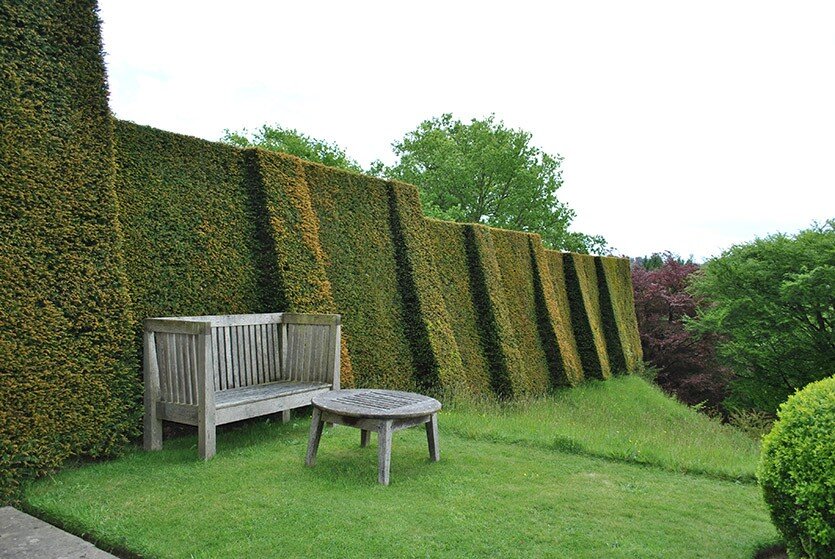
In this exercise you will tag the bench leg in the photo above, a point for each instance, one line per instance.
(384, 452)
(365, 437)
(315, 435)
(432, 438)
(152, 428)
(206, 445)
(285, 416)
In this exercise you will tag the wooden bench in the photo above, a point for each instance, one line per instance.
(210, 370)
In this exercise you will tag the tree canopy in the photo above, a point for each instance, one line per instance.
(290, 140)
(772, 304)
(485, 172)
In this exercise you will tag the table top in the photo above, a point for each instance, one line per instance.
(376, 403)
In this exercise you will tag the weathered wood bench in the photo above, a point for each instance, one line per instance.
(210, 370)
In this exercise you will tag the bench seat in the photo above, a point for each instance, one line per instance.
(252, 394)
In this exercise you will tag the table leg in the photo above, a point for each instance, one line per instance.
(365, 437)
(432, 438)
(384, 452)
(315, 435)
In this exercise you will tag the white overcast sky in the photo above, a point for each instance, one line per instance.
(685, 126)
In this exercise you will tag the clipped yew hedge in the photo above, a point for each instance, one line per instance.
(608, 321)
(455, 278)
(554, 319)
(68, 380)
(518, 282)
(289, 231)
(189, 223)
(434, 350)
(621, 297)
(361, 265)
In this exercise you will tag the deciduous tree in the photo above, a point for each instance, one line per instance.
(290, 140)
(772, 302)
(487, 173)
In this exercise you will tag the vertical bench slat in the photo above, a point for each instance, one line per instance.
(227, 357)
(247, 336)
(256, 352)
(312, 371)
(178, 369)
(265, 352)
(268, 356)
(215, 365)
(252, 345)
(192, 369)
(236, 360)
(282, 357)
(185, 341)
(322, 352)
(263, 368)
(244, 346)
(309, 331)
(174, 371)
(195, 370)
(289, 355)
(223, 355)
(159, 344)
(182, 368)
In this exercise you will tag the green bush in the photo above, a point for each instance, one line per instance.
(797, 471)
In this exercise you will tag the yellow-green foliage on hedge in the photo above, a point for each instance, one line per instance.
(449, 251)
(289, 231)
(619, 281)
(68, 381)
(518, 279)
(360, 262)
(587, 275)
(554, 319)
(608, 322)
(434, 349)
(579, 305)
(190, 226)
(507, 372)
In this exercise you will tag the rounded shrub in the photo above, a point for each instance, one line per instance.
(797, 471)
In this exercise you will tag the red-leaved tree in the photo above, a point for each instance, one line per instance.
(687, 365)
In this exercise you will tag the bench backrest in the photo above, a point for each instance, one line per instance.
(245, 350)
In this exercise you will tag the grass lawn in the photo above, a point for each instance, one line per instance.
(489, 496)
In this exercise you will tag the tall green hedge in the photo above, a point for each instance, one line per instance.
(554, 319)
(289, 231)
(189, 222)
(587, 275)
(498, 338)
(434, 349)
(518, 283)
(578, 309)
(619, 281)
(68, 380)
(449, 252)
(361, 264)
(608, 321)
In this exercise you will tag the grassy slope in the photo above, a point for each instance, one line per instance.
(484, 499)
(622, 418)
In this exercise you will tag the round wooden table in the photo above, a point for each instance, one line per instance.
(383, 411)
